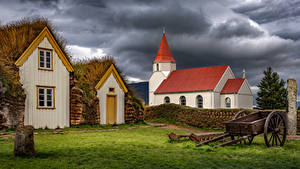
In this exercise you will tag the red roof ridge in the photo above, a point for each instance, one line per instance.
(202, 67)
(164, 52)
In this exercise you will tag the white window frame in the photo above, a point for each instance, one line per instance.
(47, 65)
(45, 95)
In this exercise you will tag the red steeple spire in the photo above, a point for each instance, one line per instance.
(164, 52)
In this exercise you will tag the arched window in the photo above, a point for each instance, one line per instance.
(228, 102)
(199, 101)
(167, 100)
(182, 100)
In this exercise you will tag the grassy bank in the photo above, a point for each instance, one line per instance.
(143, 148)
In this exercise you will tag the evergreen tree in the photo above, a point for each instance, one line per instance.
(271, 94)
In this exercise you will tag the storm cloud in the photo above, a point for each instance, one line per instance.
(243, 34)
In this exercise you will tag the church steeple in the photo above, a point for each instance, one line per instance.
(164, 53)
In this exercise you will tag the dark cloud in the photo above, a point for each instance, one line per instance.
(198, 36)
(270, 10)
(236, 28)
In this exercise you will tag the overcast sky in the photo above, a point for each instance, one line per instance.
(250, 34)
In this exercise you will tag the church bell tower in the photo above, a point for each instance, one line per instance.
(163, 65)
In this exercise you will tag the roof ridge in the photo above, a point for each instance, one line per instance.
(202, 67)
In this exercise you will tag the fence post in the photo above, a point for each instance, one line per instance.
(291, 107)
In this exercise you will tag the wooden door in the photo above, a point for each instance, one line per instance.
(111, 109)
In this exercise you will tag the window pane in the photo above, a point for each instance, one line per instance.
(41, 53)
(49, 91)
(42, 59)
(41, 103)
(49, 103)
(41, 91)
(48, 60)
(41, 97)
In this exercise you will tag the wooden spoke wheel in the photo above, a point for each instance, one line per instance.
(275, 129)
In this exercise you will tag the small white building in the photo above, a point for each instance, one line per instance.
(204, 87)
(111, 91)
(45, 73)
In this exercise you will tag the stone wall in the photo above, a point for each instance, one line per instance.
(210, 118)
(76, 106)
(11, 110)
(133, 112)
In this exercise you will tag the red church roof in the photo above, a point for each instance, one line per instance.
(196, 79)
(164, 52)
(233, 85)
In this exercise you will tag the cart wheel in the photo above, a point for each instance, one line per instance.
(240, 114)
(275, 129)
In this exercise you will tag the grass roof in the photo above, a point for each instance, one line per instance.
(15, 38)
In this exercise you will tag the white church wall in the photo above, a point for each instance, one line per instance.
(154, 81)
(164, 66)
(245, 96)
(233, 98)
(102, 93)
(245, 101)
(228, 74)
(216, 98)
(31, 76)
(190, 98)
(245, 88)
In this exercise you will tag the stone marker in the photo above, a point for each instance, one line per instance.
(291, 107)
(24, 142)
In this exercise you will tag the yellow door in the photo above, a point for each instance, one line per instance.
(111, 109)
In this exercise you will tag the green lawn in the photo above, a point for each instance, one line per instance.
(143, 148)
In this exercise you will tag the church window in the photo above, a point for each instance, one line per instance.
(228, 102)
(182, 101)
(199, 101)
(157, 66)
(167, 100)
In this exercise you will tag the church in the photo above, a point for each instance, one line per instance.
(204, 87)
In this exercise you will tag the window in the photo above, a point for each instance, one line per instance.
(182, 101)
(228, 102)
(167, 100)
(111, 89)
(157, 66)
(199, 101)
(45, 59)
(46, 97)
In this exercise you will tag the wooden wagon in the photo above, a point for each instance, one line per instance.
(245, 128)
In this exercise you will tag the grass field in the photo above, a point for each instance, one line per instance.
(143, 148)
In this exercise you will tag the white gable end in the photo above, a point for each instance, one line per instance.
(31, 76)
(102, 93)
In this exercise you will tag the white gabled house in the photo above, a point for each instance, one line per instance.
(111, 91)
(44, 72)
(204, 87)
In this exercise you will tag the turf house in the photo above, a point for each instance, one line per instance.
(41, 87)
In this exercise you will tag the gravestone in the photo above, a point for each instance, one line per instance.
(24, 141)
(291, 107)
